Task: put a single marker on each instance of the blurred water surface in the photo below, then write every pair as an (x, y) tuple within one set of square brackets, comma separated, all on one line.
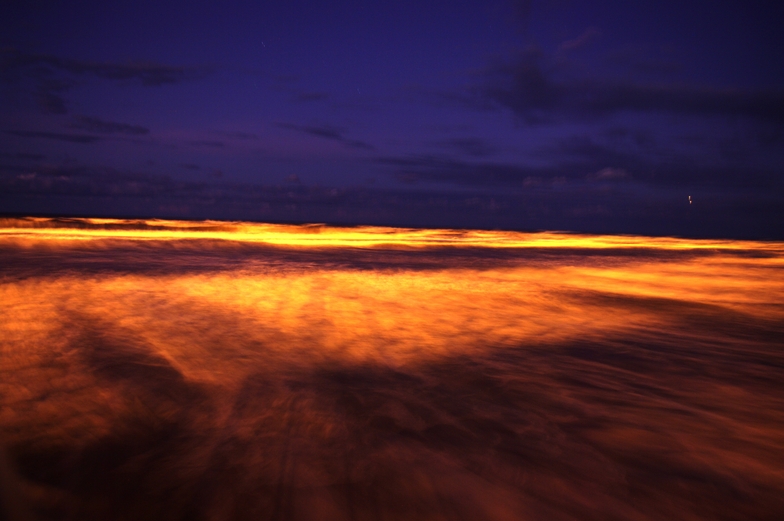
[(171, 370)]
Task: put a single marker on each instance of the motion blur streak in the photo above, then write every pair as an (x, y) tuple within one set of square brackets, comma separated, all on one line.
[(32, 229), (206, 370)]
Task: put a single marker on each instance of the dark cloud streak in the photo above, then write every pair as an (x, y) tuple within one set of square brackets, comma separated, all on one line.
[(70, 138), (577, 160), (53, 75), (596, 206), (536, 94), (49, 95), (149, 74), (327, 132), (108, 127)]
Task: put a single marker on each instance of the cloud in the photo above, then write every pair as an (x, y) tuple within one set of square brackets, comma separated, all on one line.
[(107, 127), (638, 158), (48, 95), (83, 180), (54, 75), (70, 138), (574, 204), (581, 160), (327, 132), (592, 155), (570, 160), (148, 73), (538, 94)]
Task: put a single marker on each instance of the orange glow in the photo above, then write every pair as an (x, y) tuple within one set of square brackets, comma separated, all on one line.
[(360, 237), (535, 376)]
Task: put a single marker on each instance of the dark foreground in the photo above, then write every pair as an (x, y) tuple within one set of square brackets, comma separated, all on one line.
[(217, 380)]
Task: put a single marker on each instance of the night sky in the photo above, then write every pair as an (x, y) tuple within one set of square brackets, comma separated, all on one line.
[(600, 117)]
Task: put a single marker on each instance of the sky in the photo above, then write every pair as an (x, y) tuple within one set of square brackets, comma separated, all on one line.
[(659, 118)]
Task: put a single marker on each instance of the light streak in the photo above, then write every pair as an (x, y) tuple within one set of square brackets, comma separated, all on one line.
[(380, 372), (314, 236)]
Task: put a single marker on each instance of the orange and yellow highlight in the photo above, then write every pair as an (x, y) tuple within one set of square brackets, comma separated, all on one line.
[(368, 373)]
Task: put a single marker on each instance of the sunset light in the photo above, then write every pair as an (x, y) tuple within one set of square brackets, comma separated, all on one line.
[(497, 260), (317, 235), (236, 368)]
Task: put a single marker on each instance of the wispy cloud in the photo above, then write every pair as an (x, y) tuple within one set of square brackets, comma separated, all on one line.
[(54, 75), (148, 73), (537, 94), (582, 159), (71, 138), (548, 202), (107, 127), (49, 93), (327, 132)]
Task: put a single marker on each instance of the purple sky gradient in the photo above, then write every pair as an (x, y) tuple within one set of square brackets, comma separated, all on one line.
[(582, 116)]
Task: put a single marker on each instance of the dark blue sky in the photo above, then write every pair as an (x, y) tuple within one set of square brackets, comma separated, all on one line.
[(560, 115)]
